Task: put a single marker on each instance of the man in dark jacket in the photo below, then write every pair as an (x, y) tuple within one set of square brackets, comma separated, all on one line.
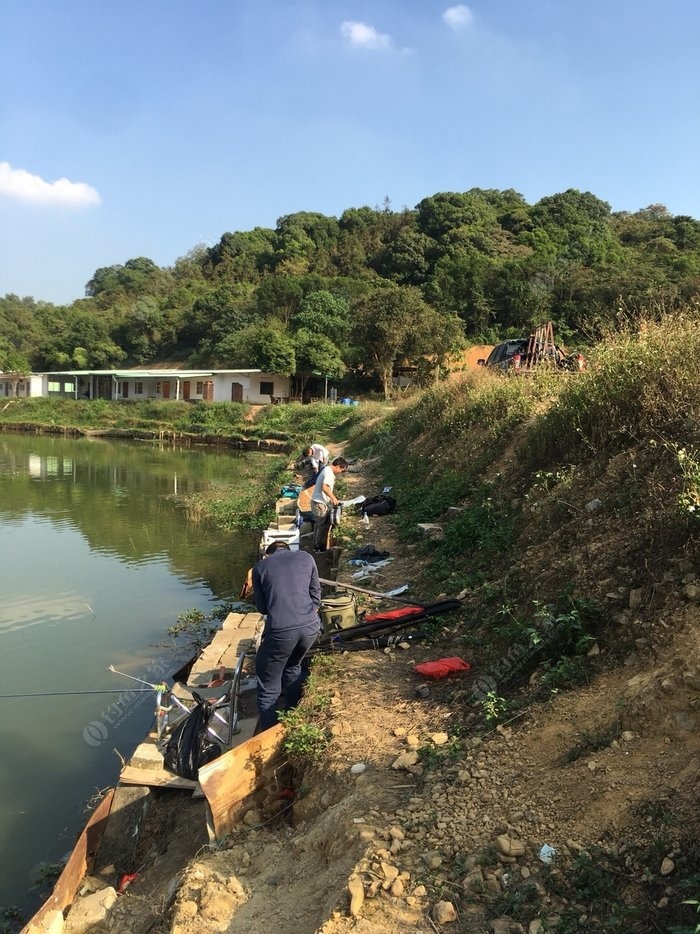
[(287, 591)]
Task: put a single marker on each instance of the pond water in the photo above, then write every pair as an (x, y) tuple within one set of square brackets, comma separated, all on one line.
[(97, 561)]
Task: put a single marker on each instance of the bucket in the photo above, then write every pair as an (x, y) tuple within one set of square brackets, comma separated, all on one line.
[(338, 611)]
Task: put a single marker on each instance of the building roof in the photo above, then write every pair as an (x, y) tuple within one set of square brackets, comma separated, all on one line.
[(149, 374)]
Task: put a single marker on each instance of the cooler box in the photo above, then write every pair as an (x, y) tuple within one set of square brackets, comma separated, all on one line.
[(290, 536), (338, 611)]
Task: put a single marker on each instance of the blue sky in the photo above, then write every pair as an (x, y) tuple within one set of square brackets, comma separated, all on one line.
[(146, 128)]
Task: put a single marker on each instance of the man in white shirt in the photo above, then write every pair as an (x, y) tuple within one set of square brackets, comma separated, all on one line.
[(323, 499), (318, 455)]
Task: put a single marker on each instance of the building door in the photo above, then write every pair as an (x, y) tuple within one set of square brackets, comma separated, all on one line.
[(208, 390), (166, 389), (125, 390), (186, 390), (236, 392)]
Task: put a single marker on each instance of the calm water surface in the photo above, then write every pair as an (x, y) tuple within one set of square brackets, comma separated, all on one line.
[(97, 560)]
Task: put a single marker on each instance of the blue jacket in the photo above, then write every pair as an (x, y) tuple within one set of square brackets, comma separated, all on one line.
[(287, 590)]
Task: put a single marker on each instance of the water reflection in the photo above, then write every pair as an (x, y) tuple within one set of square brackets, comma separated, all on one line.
[(97, 561)]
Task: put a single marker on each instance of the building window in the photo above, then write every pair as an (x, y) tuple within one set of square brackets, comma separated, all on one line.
[(158, 388), (267, 389), (200, 388), (54, 385), (69, 387), (138, 388)]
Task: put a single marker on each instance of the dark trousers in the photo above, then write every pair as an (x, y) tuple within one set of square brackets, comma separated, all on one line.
[(278, 665)]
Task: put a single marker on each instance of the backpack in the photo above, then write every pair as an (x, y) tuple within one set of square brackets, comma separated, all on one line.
[(379, 505), (189, 746)]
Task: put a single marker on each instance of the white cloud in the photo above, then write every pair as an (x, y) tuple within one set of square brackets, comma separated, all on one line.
[(365, 37), (458, 17), (23, 186)]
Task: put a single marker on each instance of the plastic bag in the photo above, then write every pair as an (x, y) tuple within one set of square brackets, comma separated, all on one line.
[(379, 505), (189, 746), (442, 667)]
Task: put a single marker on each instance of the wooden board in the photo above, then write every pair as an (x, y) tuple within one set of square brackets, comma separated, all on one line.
[(233, 777), (122, 834), (154, 778), (67, 884)]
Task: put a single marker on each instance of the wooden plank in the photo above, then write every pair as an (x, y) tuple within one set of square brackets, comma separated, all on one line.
[(153, 778), (230, 779), (122, 833), (67, 884)]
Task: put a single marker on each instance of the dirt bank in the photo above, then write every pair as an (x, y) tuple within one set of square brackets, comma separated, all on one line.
[(443, 830)]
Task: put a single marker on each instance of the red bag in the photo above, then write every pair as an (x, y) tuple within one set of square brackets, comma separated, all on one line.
[(442, 667), (390, 615)]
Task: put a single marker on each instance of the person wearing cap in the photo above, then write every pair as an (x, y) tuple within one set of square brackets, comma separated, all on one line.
[(323, 499), (287, 592)]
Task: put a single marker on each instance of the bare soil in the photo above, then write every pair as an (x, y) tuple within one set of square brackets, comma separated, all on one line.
[(609, 771)]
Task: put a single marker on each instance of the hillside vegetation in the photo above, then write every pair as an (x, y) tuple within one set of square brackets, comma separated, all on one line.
[(350, 296), (575, 546), (564, 510), (567, 487)]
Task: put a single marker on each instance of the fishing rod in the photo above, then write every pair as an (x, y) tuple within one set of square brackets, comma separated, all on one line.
[(391, 623), (341, 585), (360, 645), (159, 688), (74, 693)]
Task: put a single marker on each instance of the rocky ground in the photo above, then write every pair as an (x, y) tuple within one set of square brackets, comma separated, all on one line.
[(415, 821)]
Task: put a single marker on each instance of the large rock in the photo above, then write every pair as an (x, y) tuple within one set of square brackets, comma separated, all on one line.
[(509, 846), (444, 912), (357, 894), (88, 912), (406, 759)]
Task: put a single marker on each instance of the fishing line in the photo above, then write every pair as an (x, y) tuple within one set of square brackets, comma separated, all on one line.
[(75, 693)]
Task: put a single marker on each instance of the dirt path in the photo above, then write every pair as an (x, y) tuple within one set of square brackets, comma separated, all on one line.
[(443, 830)]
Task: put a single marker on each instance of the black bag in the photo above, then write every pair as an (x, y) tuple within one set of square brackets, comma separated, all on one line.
[(189, 746), (379, 505)]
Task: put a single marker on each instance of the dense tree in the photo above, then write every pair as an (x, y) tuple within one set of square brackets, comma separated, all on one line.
[(316, 355), (482, 260), (269, 348), (242, 256), (324, 314), (392, 322)]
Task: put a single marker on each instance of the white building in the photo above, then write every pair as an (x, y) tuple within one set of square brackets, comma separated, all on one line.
[(251, 386), (20, 385)]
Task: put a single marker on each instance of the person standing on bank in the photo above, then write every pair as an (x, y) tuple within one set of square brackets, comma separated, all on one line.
[(287, 592), (323, 499)]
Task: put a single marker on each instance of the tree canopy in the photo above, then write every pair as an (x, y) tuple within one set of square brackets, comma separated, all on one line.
[(358, 294)]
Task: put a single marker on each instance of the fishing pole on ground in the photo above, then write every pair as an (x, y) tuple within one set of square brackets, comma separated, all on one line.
[(341, 585), (360, 645), (380, 622)]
